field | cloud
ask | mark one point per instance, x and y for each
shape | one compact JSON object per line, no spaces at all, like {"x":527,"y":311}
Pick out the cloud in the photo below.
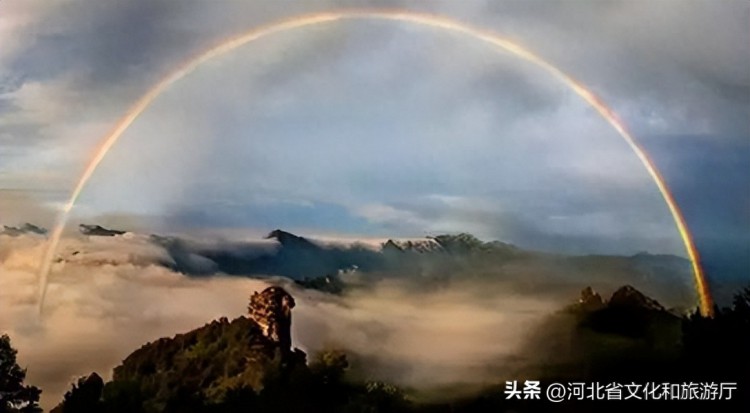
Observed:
{"x":20,"y":206}
{"x":387,"y":214}
{"x":423,"y":339}
{"x":353,"y":115}
{"x":96,"y":317}
{"x":682,"y":62}
{"x":103,"y":307}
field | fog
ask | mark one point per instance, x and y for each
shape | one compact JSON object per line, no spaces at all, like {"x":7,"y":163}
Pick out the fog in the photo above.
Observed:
{"x":110,"y":298}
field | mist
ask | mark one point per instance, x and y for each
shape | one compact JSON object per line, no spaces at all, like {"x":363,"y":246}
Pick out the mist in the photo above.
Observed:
{"x":107,"y":302}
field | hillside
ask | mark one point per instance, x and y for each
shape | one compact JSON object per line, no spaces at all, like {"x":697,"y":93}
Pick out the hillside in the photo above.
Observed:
{"x":247,"y":364}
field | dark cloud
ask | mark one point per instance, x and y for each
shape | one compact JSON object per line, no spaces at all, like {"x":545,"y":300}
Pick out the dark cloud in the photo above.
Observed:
{"x":105,"y":42}
{"x":709,"y":180}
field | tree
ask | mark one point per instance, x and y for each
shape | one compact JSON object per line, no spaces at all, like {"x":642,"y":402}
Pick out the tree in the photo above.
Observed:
{"x":715,"y":348}
{"x":83,"y":397}
{"x":329,"y":366}
{"x":741,"y":306}
{"x":15,"y":396}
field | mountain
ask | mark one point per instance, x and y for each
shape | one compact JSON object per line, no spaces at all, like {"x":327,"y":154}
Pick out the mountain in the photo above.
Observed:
{"x":417,"y":246}
{"x":246,"y":364}
{"x":460,"y":244}
{"x":26,"y":228}
{"x":464,"y":243}
{"x":98,"y":231}
{"x":214,"y":360}
{"x":221,"y":356}
{"x":628,"y":296}
{"x":436,"y":259}
{"x":448,"y":256}
{"x":590,"y":300}
{"x":628,"y":313}
{"x":627,"y":336}
{"x":289,"y":240}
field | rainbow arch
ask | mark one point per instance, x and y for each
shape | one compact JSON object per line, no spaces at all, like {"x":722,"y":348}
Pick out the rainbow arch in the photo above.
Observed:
{"x":479,"y":34}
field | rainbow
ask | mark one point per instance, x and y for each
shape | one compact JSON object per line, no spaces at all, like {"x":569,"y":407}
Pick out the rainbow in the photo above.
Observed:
{"x":503,"y":44}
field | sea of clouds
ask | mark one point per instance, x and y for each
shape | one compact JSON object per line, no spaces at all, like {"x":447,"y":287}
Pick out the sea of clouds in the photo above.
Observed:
{"x":110,"y":295}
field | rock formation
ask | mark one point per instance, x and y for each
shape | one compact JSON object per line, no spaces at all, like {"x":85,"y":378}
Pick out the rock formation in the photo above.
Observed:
{"x":247,"y":352}
{"x":271,"y":309}
{"x":590,"y":300}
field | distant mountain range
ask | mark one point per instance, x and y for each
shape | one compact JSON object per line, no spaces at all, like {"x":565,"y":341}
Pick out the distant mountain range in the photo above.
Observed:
{"x":98,"y":231}
{"x":318,"y":264}
{"x":321,"y":265}
{"x":23,"y":229}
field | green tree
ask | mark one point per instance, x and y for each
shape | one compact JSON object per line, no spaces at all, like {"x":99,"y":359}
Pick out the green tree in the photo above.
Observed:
{"x":123,"y":397}
{"x":15,"y":396}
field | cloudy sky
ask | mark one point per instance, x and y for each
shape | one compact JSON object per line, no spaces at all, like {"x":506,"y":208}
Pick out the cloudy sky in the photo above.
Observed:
{"x":385,"y":129}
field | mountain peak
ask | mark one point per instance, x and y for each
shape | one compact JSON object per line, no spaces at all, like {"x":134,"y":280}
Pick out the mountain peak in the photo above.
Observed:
{"x":590,"y":300}
{"x":279,"y":234}
{"x":628,"y":296}
{"x":462,"y":242}
{"x":288,"y":239}
{"x":271,"y":309}
{"x":420,"y":246}
{"x":98,"y":231}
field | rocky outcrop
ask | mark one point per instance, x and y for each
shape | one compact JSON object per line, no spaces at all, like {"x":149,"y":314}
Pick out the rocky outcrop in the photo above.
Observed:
{"x":590,"y":300}
{"x":242,"y":353}
{"x":271,"y":309}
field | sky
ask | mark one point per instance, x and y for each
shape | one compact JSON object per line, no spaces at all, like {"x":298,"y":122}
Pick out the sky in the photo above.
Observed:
{"x":386,"y":129}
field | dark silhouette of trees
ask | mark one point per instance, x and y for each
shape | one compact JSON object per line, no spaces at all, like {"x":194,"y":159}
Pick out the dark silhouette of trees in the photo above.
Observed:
{"x":717,"y":347}
{"x":15,"y":396}
{"x":123,"y":397}
{"x":84,"y":397}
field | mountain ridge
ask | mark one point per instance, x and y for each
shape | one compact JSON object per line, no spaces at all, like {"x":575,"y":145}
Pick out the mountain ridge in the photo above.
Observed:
{"x":462,"y":256}
{"x":243,"y":365}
